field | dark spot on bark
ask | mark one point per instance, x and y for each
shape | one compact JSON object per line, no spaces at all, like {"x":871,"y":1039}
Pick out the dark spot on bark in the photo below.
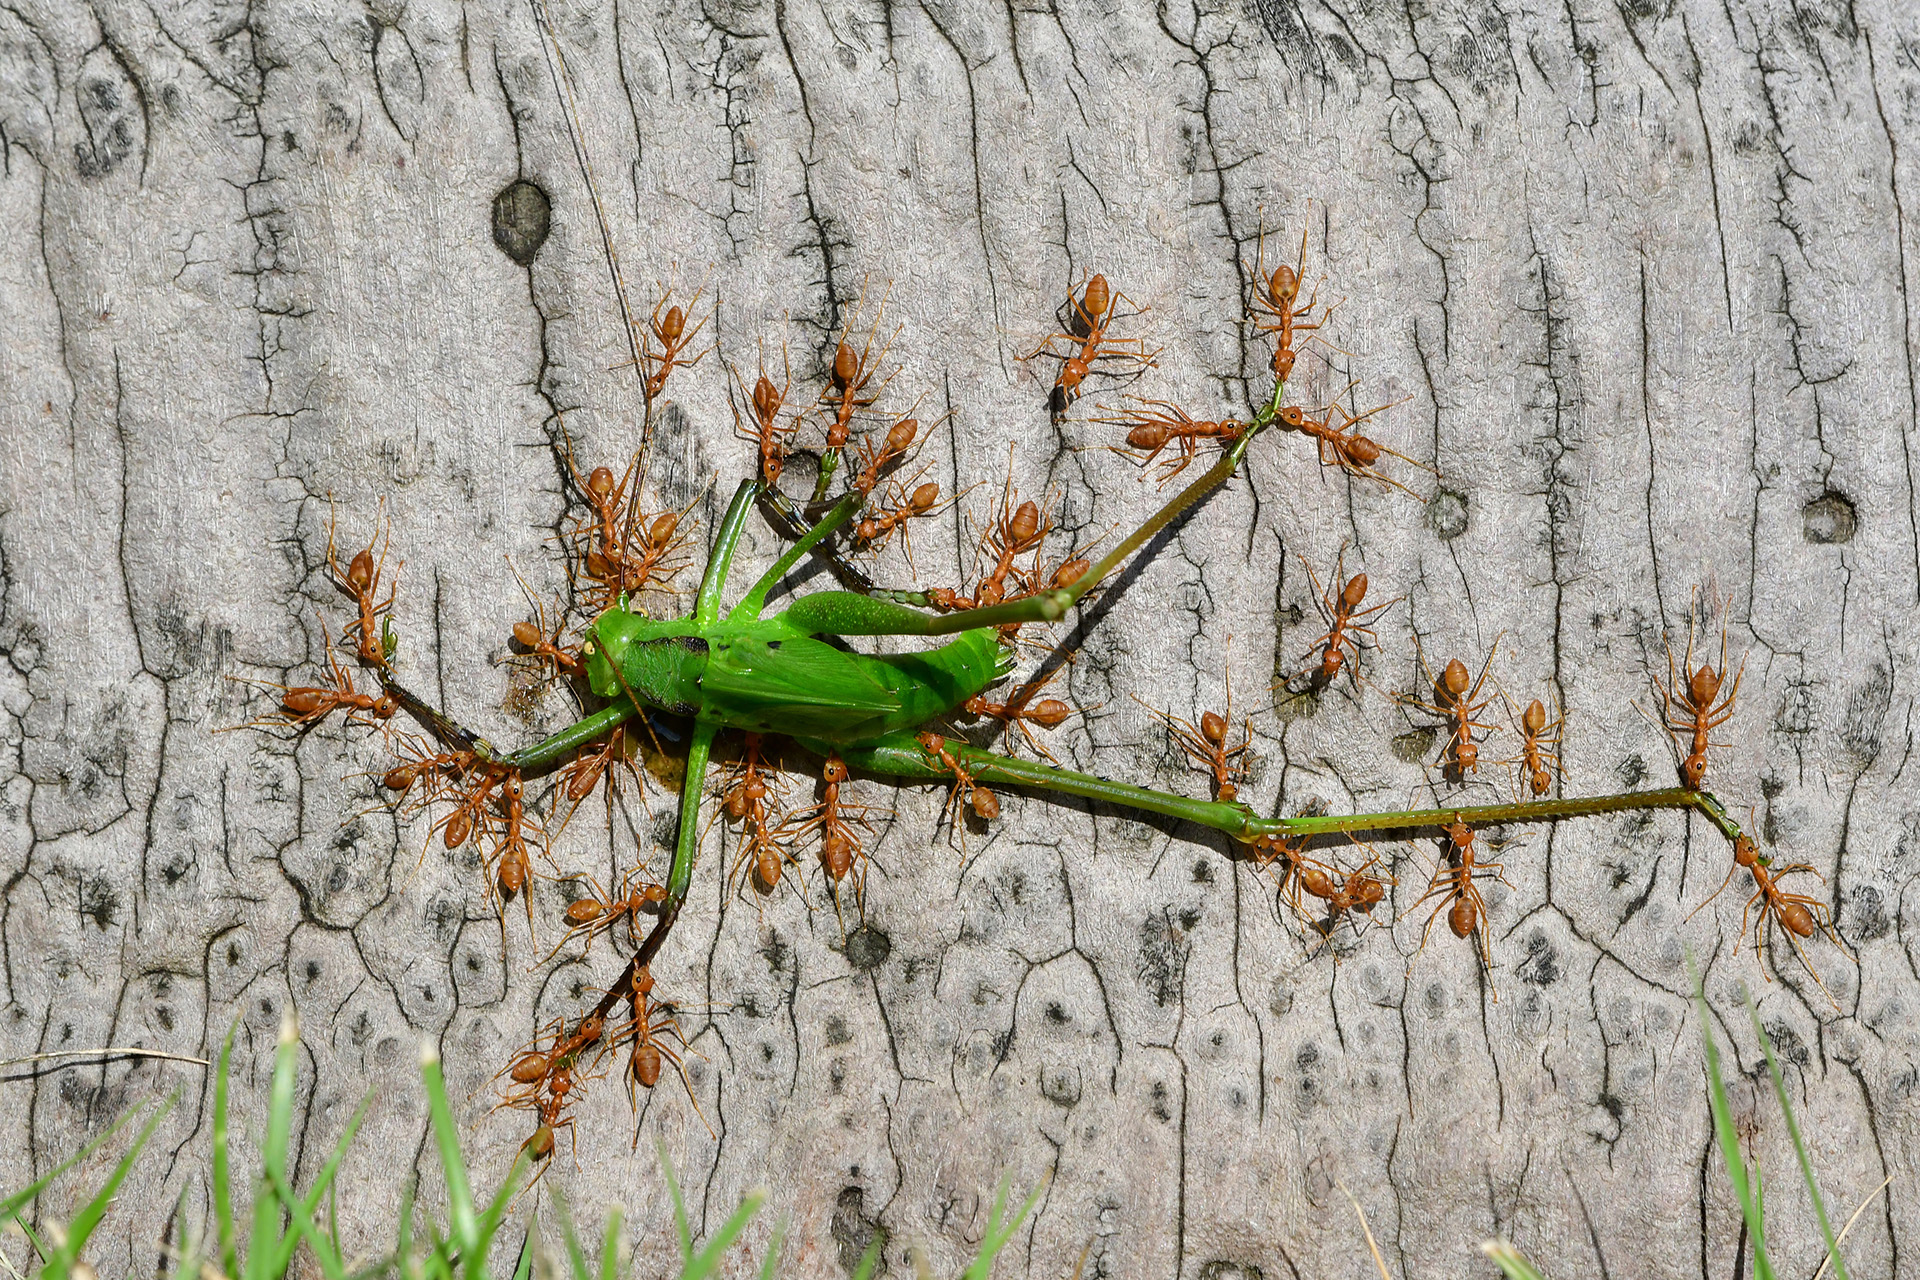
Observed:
{"x":1221,"y":1269}
{"x":1061,"y":1087}
{"x":1787,"y":1043}
{"x":1057,"y":1015}
{"x":1447,"y":514}
{"x":1203,"y":872}
{"x":1163,"y":958}
{"x":778,"y":954}
{"x":854,"y":1232}
{"x":313,"y":971}
{"x":1829,"y":518}
{"x":1632,"y":771}
{"x":868,"y":948}
{"x":522,"y":216}
{"x":837,"y":1032}
{"x":1413,"y":745}
{"x":164,"y":1016}
{"x":1160,"y":1101}
{"x":1868,"y":912}
{"x":1541,"y":968}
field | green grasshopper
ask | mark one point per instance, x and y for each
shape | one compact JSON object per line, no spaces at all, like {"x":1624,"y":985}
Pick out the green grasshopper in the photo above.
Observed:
{"x":736,"y":669}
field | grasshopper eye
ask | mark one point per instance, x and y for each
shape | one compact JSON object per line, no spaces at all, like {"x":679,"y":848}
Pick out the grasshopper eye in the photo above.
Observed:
{"x":587,"y":649}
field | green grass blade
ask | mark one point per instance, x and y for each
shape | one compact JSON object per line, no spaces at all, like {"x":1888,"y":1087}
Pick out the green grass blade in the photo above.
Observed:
{"x":222,"y":1188}
{"x":679,"y":1205}
{"x":576,"y":1257}
{"x":997,"y":1236}
{"x":871,"y":1258}
{"x":497,"y":1209}
{"x":462,"y":1227}
{"x":304,"y":1229}
{"x":21,"y":1198}
{"x":269,"y":1245}
{"x":525,"y":1269}
{"x":610,"y":1248}
{"x":771,"y":1266}
{"x":1512,"y":1265}
{"x":1799,"y":1144}
{"x":707,"y":1262}
{"x":89,"y":1217}
{"x":1729,"y":1139}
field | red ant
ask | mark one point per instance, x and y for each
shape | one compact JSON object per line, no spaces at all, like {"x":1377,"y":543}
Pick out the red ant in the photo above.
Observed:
{"x":360,"y":579}
{"x":1273,"y":311}
{"x":1453,"y":883}
{"x":1206,"y":745}
{"x":593,"y":916}
{"x":877,"y":526}
{"x":1457,"y":702}
{"x":1155,"y":424}
{"x":1697,"y":706}
{"x":834,"y":818}
{"x":1538,"y":735}
{"x":1020,"y":710}
{"x":985,"y":805}
{"x":306,"y":705}
{"x":1346,"y":621}
{"x":673,"y":337}
{"x":745,"y":800}
{"x":766,"y":431}
{"x":893,"y":448}
{"x":1342,"y":447}
{"x":849,"y":376}
{"x":1797,"y":913}
{"x":1086,"y":337}
{"x":1356,"y":891}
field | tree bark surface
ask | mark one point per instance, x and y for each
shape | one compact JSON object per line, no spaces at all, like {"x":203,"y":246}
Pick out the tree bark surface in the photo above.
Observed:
{"x":1635,"y":281}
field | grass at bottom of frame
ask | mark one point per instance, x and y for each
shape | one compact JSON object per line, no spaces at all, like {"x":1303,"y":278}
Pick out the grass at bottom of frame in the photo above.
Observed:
{"x":262,"y":1243}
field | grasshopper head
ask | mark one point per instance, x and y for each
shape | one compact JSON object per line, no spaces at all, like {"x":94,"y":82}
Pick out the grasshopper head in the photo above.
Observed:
{"x":656,"y":663}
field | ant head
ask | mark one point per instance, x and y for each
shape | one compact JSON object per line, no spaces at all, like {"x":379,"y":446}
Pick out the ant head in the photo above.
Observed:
{"x":835,"y":771}
{"x":1692,"y":770}
{"x":1460,"y":833}
{"x":1744,"y":853}
{"x":1704,"y":686}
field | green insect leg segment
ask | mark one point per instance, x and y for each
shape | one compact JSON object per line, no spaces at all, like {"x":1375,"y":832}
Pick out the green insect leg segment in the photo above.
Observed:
{"x":902,"y":756}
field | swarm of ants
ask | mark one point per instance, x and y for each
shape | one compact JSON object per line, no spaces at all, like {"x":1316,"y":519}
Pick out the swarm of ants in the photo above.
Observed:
{"x":621,"y":552}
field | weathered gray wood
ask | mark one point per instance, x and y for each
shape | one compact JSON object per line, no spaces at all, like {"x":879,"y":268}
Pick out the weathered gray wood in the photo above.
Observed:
{"x":1638,"y":277}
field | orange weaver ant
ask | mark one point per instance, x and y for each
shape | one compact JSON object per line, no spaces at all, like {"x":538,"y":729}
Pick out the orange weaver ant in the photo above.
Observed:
{"x":878,"y":525}
{"x":1272,"y":310}
{"x":667,"y":340}
{"x":1453,"y":883}
{"x":1341,"y":446}
{"x":304,"y":706}
{"x":1346,"y":621}
{"x":1457,"y":701}
{"x":1797,"y":913}
{"x":985,"y":805}
{"x":1359,"y":890}
{"x":1691,"y":709}
{"x":765,"y":401}
{"x":847,"y":379}
{"x":1020,"y":710}
{"x":593,"y":916}
{"x":360,"y":579}
{"x":620,"y":548}
{"x":1155,"y":424}
{"x":1538,"y":735}
{"x":834,"y":818}
{"x":745,"y":800}
{"x":1206,"y":745}
{"x":1087,"y":343}
{"x":893,"y":447}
